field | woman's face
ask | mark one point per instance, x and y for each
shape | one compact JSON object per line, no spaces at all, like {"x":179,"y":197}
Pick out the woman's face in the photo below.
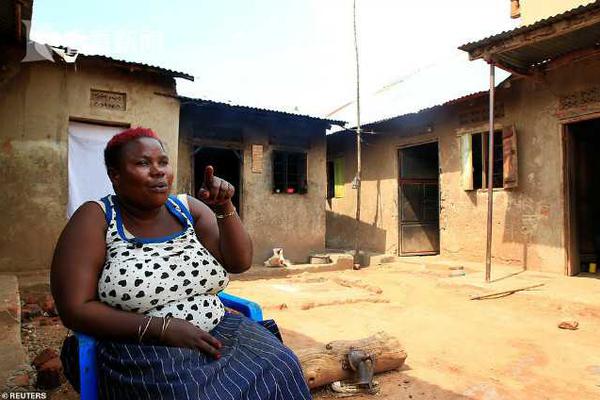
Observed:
{"x":144,"y":176}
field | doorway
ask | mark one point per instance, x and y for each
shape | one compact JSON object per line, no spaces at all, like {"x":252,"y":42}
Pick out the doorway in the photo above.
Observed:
{"x":418,"y":208}
{"x":583,"y":172}
{"x":227,"y":164}
{"x":87,"y":177}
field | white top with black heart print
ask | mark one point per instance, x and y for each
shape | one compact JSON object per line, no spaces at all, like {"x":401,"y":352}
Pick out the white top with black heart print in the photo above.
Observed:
{"x":173,"y":275}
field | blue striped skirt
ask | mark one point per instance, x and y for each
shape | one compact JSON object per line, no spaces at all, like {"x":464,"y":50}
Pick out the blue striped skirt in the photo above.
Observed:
{"x":254,"y":365}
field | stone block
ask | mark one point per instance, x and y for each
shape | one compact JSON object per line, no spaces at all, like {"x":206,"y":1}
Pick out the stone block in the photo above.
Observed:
{"x":30,"y":311}
{"x":43,"y":357}
{"x":50,"y":374}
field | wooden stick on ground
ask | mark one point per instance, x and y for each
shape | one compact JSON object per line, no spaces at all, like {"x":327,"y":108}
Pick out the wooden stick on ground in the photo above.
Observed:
{"x":325,"y":364}
{"x":504,"y":293}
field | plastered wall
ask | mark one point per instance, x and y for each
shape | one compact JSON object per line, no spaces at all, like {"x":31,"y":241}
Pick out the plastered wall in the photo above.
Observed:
{"x":535,"y":10}
{"x":295,"y":222}
{"x":35,"y":109}
{"x":529,"y":221}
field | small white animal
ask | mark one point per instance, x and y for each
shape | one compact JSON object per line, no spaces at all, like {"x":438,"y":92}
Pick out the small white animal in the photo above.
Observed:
{"x":277,"y":260}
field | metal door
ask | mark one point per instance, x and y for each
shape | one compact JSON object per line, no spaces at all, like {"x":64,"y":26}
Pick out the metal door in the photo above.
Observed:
{"x":419,"y":231}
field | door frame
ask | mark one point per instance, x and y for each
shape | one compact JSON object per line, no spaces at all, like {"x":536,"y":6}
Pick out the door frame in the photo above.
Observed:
{"x":197,"y":144}
{"x":570,"y":227}
{"x":572,"y":265}
{"x":399,"y":148}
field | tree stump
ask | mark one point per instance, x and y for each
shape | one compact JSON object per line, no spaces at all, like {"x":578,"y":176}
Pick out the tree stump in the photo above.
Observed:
{"x":325,"y":364}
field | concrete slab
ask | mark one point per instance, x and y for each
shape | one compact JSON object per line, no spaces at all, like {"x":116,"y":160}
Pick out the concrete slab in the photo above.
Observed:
{"x":339,"y":261}
{"x":557,"y":289}
{"x":368,"y":258}
{"x":12,"y":353}
{"x":371,"y":259}
{"x":33,"y":278}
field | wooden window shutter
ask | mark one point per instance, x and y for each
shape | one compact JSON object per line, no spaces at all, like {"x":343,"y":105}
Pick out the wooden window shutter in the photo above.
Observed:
{"x":338,"y":177}
{"x":466,"y":161}
{"x":510,"y":168}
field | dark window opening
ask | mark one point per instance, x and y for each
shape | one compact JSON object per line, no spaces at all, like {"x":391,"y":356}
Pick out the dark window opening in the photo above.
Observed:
{"x":330,"y":180}
{"x":497,"y":178}
{"x":477,"y":162}
{"x":227,"y":165}
{"x":480,"y":150}
{"x":289,"y":172}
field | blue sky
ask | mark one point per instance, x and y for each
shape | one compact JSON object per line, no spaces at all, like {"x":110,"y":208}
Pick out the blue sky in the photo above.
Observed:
{"x":294,"y":55}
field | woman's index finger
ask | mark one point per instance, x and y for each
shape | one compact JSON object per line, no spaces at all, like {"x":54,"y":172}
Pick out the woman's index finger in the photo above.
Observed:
{"x":208,"y":174}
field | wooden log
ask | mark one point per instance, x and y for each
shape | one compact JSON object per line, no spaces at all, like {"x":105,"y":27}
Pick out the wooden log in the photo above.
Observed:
{"x":325,"y":364}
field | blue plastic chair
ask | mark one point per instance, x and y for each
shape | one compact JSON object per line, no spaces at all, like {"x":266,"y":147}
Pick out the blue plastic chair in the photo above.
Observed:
{"x":88,"y":370}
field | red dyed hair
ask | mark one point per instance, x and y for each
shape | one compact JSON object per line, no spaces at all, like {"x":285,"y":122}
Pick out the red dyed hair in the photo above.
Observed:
{"x":130,"y":134}
{"x":112,"y":152}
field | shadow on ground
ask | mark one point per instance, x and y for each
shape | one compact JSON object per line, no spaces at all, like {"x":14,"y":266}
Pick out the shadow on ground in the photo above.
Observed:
{"x":398,"y":385}
{"x":395,"y":385}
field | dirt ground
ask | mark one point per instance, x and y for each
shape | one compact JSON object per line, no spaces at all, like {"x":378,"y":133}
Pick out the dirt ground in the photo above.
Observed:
{"x":505,"y":348}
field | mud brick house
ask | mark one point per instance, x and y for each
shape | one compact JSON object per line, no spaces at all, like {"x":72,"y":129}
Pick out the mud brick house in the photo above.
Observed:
{"x":424,"y":173}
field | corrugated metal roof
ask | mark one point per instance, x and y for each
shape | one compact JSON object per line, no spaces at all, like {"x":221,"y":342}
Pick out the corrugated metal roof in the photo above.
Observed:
{"x":530,"y":48}
{"x":213,"y":103}
{"x":433,"y":86}
{"x":132,"y":64}
{"x":453,"y":101}
{"x":148,"y":67}
{"x":529,"y":28}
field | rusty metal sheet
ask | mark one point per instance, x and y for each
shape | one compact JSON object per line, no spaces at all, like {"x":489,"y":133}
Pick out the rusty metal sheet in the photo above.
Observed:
{"x":419,"y":238}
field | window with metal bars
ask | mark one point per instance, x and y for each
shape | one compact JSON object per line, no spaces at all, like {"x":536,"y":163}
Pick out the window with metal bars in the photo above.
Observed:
{"x":480,"y":160}
{"x":289,"y":172}
{"x":474,"y":159}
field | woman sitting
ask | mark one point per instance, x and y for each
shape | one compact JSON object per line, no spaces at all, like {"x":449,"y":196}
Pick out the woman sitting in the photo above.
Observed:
{"x":140,"y":271}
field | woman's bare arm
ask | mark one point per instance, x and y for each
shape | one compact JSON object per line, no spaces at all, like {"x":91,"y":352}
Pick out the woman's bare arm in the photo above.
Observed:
{"x":78,"y":260}
{"x":226,"y":238}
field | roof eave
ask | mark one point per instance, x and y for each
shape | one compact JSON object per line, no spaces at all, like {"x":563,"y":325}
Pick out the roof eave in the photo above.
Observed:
{"x":437,"y":107}
{"x":133,"y":66}
{"x":196,"y":101}
{"x":498,"y":49}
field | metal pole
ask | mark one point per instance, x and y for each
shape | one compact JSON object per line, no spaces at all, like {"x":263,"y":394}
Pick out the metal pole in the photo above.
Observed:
{"x":490,"y":178}
{"x":358,"y":147}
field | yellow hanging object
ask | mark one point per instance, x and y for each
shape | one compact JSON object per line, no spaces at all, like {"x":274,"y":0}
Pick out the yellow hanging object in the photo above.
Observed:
{"x":593,"y":268}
